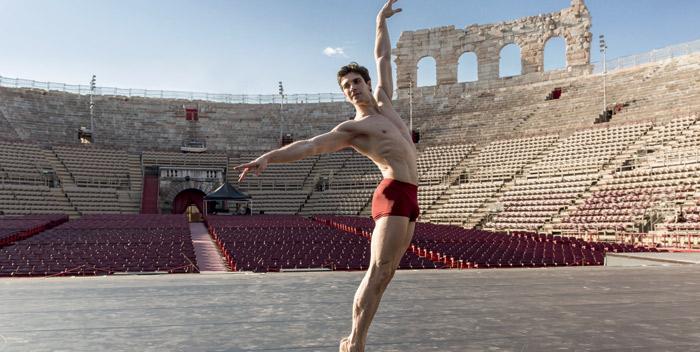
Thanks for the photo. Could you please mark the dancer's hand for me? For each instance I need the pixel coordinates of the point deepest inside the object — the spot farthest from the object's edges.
(387, 11)
(258, 166)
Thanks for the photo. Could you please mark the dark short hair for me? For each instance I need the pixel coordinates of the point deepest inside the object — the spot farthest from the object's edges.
(353, 67)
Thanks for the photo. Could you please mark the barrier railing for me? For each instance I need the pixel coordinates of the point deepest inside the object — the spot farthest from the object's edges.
(612, 65)
(171, 94)
(656, 55)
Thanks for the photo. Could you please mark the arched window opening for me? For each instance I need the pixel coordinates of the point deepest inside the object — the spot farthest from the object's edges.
(510, 63)
(555, 54)
(468, 68)
(427, 72)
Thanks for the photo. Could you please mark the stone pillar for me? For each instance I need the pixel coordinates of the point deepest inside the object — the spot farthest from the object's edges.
(446, 69)
(531, 57)
(488, 64)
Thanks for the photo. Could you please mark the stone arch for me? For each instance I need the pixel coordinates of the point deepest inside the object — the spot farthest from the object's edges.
(510, 59)
(554, 53)
(468, 67)
(184, 199)
(170, 191)
(426, 71)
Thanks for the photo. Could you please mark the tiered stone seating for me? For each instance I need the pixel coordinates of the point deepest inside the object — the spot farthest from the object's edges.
(326, 166)
(466, 199)
(356, 172)
(277, 202)
(531, 202)
(622, 203)
(204, 160)
(31, 199)
(586, 151)
(435, 162)
(90, 200)
(681, 230)
(283, 177)
(427, 195)
(94, 167)
(501, 160)
(666, 176)
(22, 163)
(548, 186)
(338, 201)
(669, 132)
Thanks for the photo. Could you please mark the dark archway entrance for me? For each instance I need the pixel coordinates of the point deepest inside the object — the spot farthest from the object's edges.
(186, 198)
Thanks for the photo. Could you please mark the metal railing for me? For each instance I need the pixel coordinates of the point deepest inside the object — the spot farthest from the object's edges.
(171, 94)
(656, 55)
(612, 65)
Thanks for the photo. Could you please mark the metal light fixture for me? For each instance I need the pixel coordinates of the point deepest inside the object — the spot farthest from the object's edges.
(603, 50)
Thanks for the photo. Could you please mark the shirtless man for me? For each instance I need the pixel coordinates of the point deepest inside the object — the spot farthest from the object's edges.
(379, 133)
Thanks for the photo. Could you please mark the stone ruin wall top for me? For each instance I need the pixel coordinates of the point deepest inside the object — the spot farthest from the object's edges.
(447, 44)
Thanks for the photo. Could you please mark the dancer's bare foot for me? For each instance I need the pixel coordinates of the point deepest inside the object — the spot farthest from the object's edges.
(344, 345)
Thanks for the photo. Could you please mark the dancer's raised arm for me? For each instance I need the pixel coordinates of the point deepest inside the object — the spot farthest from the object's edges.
(382, 54)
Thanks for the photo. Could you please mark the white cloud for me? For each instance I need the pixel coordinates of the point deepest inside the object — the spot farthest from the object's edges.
(330, 52)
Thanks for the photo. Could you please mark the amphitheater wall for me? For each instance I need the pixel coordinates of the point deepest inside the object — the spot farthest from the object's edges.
(530, 34)
(145, 123)
(446, 114)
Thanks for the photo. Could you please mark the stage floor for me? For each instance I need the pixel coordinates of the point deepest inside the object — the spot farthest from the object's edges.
(562, 309)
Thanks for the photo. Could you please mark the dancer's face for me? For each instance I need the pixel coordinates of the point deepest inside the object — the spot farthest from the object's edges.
(355, 89)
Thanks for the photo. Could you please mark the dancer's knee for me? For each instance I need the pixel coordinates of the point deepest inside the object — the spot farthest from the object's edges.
(381, 273)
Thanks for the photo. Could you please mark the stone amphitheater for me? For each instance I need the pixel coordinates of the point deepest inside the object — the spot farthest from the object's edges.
(538, 170)
(498, 153)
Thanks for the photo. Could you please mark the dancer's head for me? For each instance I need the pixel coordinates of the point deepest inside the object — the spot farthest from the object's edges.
(355, 82)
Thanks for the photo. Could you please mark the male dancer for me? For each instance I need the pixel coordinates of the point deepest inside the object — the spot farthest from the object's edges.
(377, 132)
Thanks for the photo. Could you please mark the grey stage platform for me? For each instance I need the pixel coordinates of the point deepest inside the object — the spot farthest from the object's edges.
(567, 309)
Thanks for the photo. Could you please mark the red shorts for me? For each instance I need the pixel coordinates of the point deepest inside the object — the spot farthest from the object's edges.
(394, 197)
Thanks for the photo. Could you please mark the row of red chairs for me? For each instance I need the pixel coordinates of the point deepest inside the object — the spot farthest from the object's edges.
(457, 247)
(291, 242)
(17, 228)
(104, 244)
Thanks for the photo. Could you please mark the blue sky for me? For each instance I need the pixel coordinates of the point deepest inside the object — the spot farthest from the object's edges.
(247, 46)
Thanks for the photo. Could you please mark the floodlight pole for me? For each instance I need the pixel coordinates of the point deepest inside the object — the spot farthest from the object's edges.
(281, 93)
(92, 108)
(410, 103)
(603, 51)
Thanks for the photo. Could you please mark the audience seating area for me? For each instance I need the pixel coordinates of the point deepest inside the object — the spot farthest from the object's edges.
(204, 160)
(562, 176)
(456, 247)
(537, 165)
(94, 167)
(501, 160)
(338, 201)
(92, 200)
(20, 199)
(466, 199)
(279, 242)
(104, 244)
(277, 202)
(435, 162)
(17, 228)
(281, 177)
(22, 163)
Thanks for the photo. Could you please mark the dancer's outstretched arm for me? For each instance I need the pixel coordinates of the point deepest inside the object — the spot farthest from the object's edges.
(382, 54)
(338, 138)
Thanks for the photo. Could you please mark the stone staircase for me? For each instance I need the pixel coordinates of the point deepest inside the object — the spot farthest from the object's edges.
(66, 180)
(606, 174)
(427, 214)
(130, 200)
